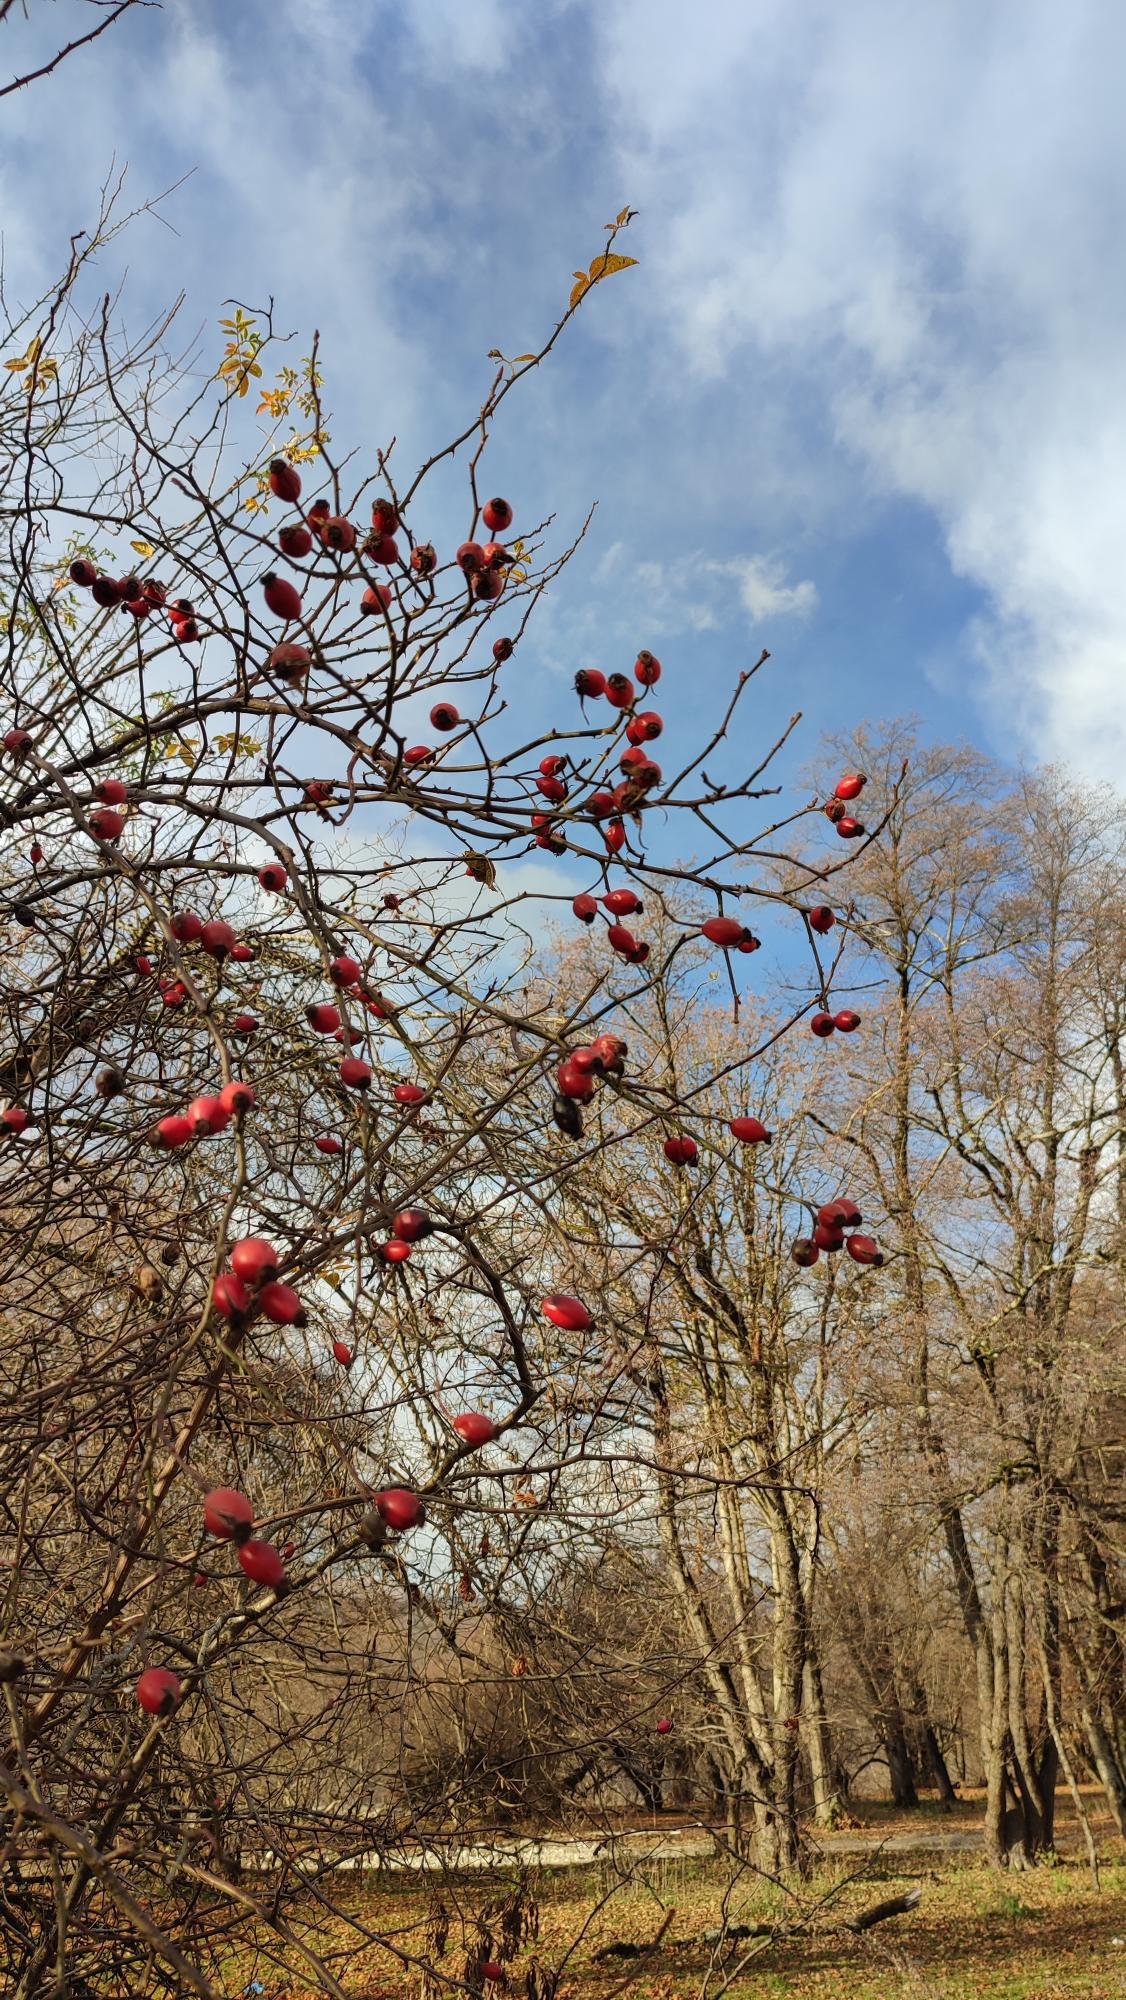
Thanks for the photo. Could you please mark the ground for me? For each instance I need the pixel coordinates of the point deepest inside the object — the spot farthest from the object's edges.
(1046, 1934)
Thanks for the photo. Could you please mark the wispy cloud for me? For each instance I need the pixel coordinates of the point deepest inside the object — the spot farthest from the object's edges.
(918, 216)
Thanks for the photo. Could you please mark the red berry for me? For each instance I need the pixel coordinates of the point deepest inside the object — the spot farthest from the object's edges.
(186, 927)
(664, 1726)
(400, 1508)
(475, 1429)
(106, 591)
(339, 534)
(424, 559)
(589, 683)
(829, 1235)
(158, 1690)
(470, 557)
(355, 1073)
(821, 919)
(621, 902)
(229, 1295)
(565, 1312)
(376, 599)
(725, 931)
(574, 1081)
(647, 669)
(646, 727)
(846, 1020)
(493, 1970)
(497, 516)
(281, 597)
(107, 824)
(253, 1259)
(619, 693)
(295, 541)
(615, 835)
(318, 791)
(217, 938)
(143, 965)
(411, 1225)
(289, 662)
(273, 877)
(845, 1211)
(681, 1150)
(804, 1251)
(207, 1115)
(585, 907)
(342, 1352)
(281, 1304)
(822, 1024)
(83, 573)
(344, 971)
(172, 1132)
(174, 994)
(262, 1564)
(242, 954)
(228, 1514)
(850, 786)
(285, 480)
(236, 1097)
(112, 792)
(444, 716)
(419, 753)
(502, 650)
(383, 549)
(323, 1018)
(751, 1131)
(863, 1250)
(384, 516)
(395, 1252)
(327, 1144)
(15, 1119)
(409, 1093)
(35, 853)
(849, 828)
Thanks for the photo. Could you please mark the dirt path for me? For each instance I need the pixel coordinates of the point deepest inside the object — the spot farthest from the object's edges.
(673, 1845)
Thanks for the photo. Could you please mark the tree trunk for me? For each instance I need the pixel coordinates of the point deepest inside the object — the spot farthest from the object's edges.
(828, 1806)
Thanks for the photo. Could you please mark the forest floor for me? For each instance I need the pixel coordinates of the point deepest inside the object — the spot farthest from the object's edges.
(1045, 1934)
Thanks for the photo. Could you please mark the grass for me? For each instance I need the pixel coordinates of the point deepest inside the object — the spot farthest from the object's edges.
(1045, 1935)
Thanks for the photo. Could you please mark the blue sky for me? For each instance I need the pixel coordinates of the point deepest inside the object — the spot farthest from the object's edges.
(863, 401)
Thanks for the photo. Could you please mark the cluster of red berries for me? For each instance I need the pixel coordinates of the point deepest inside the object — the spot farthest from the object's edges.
(252, 1285)
(138, 596)
(484, 565)
(204, 1118)
(577, 1075)
(848, 788)
(833, 1221)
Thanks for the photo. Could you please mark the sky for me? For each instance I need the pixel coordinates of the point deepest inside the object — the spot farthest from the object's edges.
(862, 401)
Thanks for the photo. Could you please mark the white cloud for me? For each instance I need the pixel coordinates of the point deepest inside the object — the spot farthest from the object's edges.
(764, 590)
(919, 215)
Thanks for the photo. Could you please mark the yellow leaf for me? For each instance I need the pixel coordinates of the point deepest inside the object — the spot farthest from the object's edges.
(607, 264)
(142, 548)
(524, 357)
(622, 217)
(185, 755)
(578, 290)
